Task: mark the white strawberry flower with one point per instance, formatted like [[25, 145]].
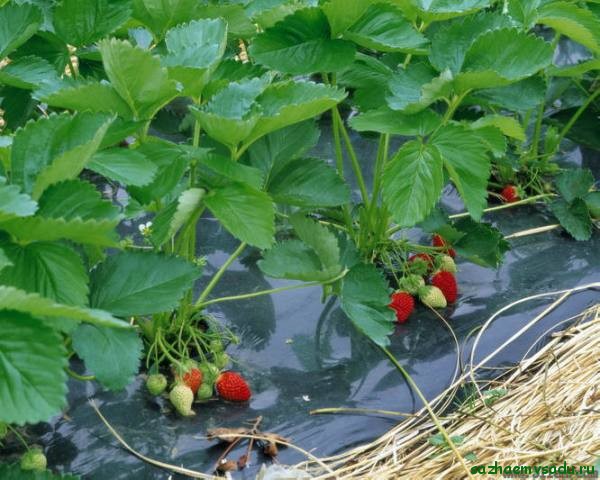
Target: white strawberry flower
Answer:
[[145, 228]]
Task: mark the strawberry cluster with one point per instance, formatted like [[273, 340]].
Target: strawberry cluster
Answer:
[[198, 381], [431, 280]]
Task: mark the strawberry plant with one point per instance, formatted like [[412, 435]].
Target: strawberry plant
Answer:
[[181, 108]]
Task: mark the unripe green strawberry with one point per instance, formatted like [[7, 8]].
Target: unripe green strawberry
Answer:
[[432, 297], [3, 430], [156, 383], [34, 459], [411, 283], [221, 360], [182, 397], [216, 346], [205, 391], [447, 264], [210, 372]]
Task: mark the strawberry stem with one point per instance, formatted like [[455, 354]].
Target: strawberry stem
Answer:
[[82, 378], [201, 305], [217, 276], [427, 405], [18, 435]]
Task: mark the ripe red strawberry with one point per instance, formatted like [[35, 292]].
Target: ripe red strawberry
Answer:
[[446, 282], [423, 262], [231, 386], [190, 374], [438, 241], [193, 379], [403, 304], [510, 194]]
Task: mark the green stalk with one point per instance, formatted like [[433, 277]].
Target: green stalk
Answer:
[[382, 155], [76, 376], [200, 305], [18, 435], [538, 130], [454, 104], [576, 115], [352, 154], [72, 68], [375, 215], [337, 142], [432, 414], [217, 276]]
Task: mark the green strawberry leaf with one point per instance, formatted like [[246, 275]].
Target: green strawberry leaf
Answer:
[[323, 242], [266, 13], [500, 57], [232, 113], [93, 232], [282, 145], [365, 298], [4, 260], [171, 162], [56, 148], [412, 182], [574, 183], [138, 77], [579, 24], [435, 10], [13, 203], [54, 314], [369, 78], [481, 243], [112, 355], [466, 160], [342, 14], [235, 15], [247, 213], [451, 41], [383, 28], [125, 165], [75, 199], [416, 87], [217, 169], [32, 377], [285, 103], [386, 120], [293, 260], [509, 126], [28, 73], [302, 44], [307, 182], [194, 51], [492, 137], [96, 97], [592, 200], [161, 15], [524, 11], [50, 269], [576, 70], [520, 96], [136, 283], [574, 218], [168, 222], [17, 24], [83, 22], [315, 256]]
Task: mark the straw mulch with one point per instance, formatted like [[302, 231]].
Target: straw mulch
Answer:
[[548, 412]]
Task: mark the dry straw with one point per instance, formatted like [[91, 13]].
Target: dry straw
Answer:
[[548, 412]]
